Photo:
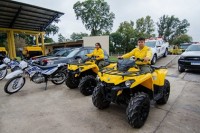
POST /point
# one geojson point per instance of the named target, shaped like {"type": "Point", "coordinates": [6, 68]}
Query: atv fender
{"type": "Point", "coordinates": [144, 80]}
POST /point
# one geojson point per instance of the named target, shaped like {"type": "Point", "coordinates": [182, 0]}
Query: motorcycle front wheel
{"type": "Point", "coordinates": [14, 84]}
{"type": "Point", "coordinates": [3, 73]}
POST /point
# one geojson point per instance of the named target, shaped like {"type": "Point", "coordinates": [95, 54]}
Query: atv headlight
{"type": "Point", "coordinates": [128, 83]}
{"type": "Point", "coordinates": [97, 78]}
{"type": "Point", "coordinates": [80, 69]}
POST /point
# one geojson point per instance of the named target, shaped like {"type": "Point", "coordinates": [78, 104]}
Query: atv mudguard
{"type": "Point", "coordinates": [83, 68]}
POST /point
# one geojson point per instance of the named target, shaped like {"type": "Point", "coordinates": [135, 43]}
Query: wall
{"type": "Point", "coordinates": [103, 40]}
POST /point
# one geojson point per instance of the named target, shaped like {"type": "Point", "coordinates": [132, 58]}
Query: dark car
{"type": "Point", "coordinates": [184, 46]}
{"type": "Point", "coordinates": [190, 59]}
{"type": "Point", "coordinates": [60, 52]}
{"type": "Point", "coordinates": [75, 54]}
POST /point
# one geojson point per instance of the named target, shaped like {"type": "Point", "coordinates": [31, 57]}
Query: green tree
{"type": "Point", "coordinates": [51, 29]}
{"type": "Point", "coordinates": [78, 36]}
{"type": "Point", "coordinates": [170, 27]}
{"type": "Point", "coordinates": [182, 39]}
{"type": "Point", "coordinates": [3, 37]}
{"type": "Point", "coordinates": [116, 44]}
{"type": "Point", "coordinates": [145, 27]}
{"type": "Point", "coordinates": [95, 15]}
{"type": "Point", "coordinates": [48, 40]}
{"type": "Point", "coordinates": [127, 32]}
{"type": "Point", "coordinates": [61, 38]}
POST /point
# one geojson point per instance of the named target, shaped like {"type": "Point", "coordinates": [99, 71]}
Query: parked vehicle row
{"type": "Point", "coordinates": [120, 82]}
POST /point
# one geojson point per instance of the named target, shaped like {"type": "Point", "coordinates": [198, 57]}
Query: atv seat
{"type": "Point", "coordinates": [46, 67]}
{"type": "Point", "coordinates": [158, 67]}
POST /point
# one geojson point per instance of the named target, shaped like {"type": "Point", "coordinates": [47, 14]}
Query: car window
{"type": "Point", "coordinates": [161, 42]}
{"type": "Point", "coordinates": [82, 52]}
{"type": "Point", "coordinates": [193, 48]}
{"type": "Point", "coordinates": [73, 53]}
{"type": "Point", "coordinates": [150, 44]}
{"type": "Point", "coordinates": [90, 50]}
{"type": "Point", "coordinates": [66, 53]}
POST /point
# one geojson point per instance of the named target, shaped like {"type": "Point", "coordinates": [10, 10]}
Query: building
{"type": "Point", "coordinates": [86, 41]}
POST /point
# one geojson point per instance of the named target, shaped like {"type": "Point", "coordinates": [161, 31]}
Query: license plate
{"type": "Point", "coordinates": [195, 63]}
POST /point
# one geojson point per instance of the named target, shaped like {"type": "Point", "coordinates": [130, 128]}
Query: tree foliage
{"type": "Point", "coordinates": [182, 39]}
{"type": "Point", "coordinates": [170, 27]}
{"type": "Point", "coordinates": [145, 27]}
{"type": "Point", "coordinates": [61, 38]}
{"type": "Point", "coordinates": [51, 29]}
{"type": "Point", "coordinates": [127, 32]}
{"type": "Point", "coordinates": [48, 39]}
{"type": "Point", "coordinates": [95, 15]}
{"type": "Point", "coordinates": [116, 45]}
{"type": "Point", "coordinates": [78, 36]}
{"type": "Point", "coordinates": [3, 38]}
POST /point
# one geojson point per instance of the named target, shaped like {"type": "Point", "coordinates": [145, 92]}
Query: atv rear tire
{"type": "Point", "coordinates": [87, 85]}
{"type": "Point", "coordinates": [98, 98]}
{"type": "Point", "coordinates": [72, 84]}
{"type": "Point", "coordinates": [166, 92]}
{"type": "Point", "coordinates": [138, 109]}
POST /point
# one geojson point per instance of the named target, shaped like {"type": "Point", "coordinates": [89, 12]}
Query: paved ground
{"type": "Point", "coordinates": [61, 110]}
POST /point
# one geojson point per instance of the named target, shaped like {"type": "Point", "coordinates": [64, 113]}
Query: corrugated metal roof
{"type": "Point", "coordinates": [19, 15]}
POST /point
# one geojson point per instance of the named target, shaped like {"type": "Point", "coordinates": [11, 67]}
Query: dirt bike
{"type": "Point", "coordinates": [38, 74]}
{"type": "Point", "coordinates": [127, 84]}
{"type": "Point", "coordinates": [8, 64]}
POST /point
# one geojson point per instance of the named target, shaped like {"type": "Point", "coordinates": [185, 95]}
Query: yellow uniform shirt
{"type": "Point", "coordinates": [145, 52]}
{"type": "Point", "coordinates": [98, 53]}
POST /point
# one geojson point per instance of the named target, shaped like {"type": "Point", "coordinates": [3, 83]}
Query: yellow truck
{"type": "Point", "coordinates": [3, 51]}
{"type": "Point", "coordinates": [31, 51]}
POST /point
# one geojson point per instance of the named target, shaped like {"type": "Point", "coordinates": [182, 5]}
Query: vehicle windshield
{"type": "Point", "coordinates": [61, 52]}
{"type": "Point", "coordinates": [151, 44]}
{"type": "Point", "coordinates": [193, 48]}
{"type": "Point", "coordinates": [184, 46]}
{"type": "Point", "coordinates": [73, 53]}
{"type": "Point", "coordinates": [53, 52]}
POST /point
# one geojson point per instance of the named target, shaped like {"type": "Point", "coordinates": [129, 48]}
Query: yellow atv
{"type": "Point", "coordinates": [82, 74]}
{"type": "Point", "coordinates": [127, 84]}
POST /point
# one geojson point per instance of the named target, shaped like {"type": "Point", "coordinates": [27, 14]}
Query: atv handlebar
{"type": "Point", "coordinates": [136, 59]}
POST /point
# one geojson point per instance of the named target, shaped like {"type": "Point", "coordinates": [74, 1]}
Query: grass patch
{"type": "Point", "coordinates": [113, 58]}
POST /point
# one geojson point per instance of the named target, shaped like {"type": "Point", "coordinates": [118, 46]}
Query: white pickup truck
{"type": "Point", "coordinates": [159, 48]}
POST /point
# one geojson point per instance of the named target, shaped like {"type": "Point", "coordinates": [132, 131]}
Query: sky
{"type": "Point", "coordinates": [126, 10]}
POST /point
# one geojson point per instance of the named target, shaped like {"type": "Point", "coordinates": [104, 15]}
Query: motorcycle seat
{"type": "Point", "coordinates": [46, 67]}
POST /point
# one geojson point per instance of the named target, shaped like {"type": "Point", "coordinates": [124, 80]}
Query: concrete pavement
{"type": "Point", "coordinates": [61, 110]}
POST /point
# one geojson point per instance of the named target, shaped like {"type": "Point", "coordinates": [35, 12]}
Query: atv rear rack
{"type": "Point", "coordinates": [119, 73]}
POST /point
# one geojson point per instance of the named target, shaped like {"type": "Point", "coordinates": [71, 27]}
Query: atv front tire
{"type": "Point", "coordinates": [166, 92]}
{"type": "Point", "coordinates": [87, 85]}
{"type": "Point", "coordinates": [71, 82]}
{"type": "Point", "coordinates": [138, 109]}
{"type": "Point", "coordinates": [98, 98]}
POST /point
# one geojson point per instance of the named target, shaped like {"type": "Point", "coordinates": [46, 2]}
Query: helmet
{"type": "Point", "coordinates": [23, 64]}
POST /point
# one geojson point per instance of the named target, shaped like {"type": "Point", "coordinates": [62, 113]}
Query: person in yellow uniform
{"type": "Point", "coordinates": [98, 53]}
{"type": "Point", "coordinates": [141, 52]}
